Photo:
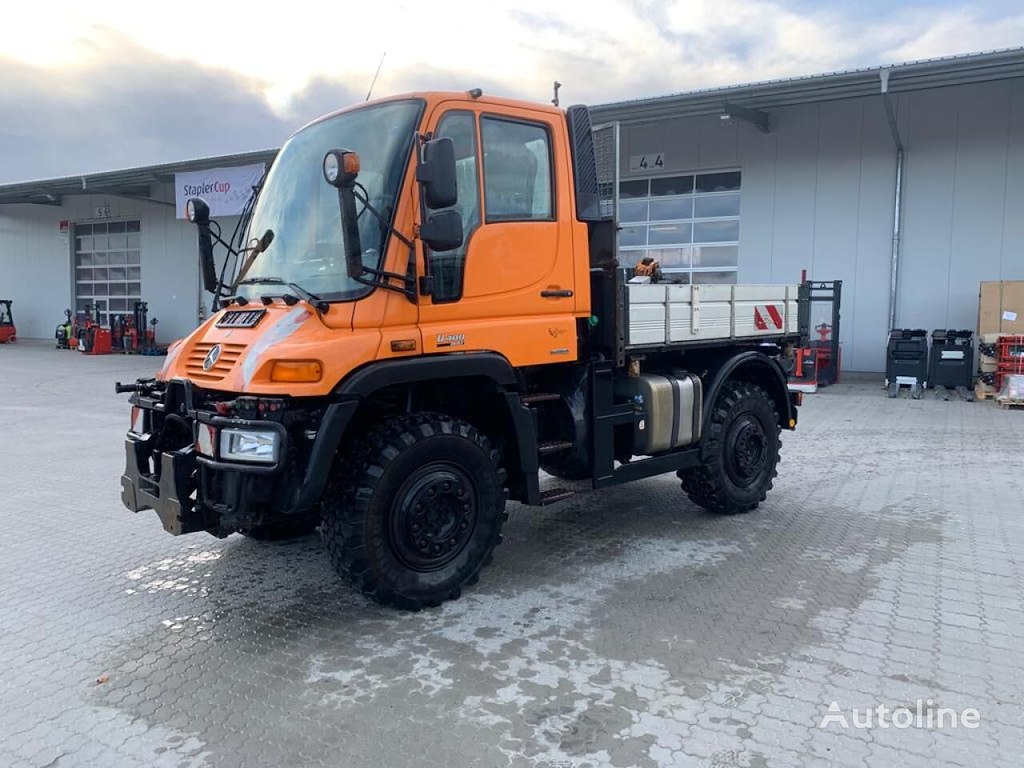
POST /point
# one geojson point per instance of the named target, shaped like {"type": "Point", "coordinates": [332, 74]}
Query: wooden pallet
{"type": "Point", "coordinates": [1006, 403]}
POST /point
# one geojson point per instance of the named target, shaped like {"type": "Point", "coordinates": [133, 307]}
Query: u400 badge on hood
{"type": "Point", "coordinates": [451, 339]}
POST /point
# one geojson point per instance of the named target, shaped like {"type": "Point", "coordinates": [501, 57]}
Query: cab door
{"type": "Point", "coordinates": [509, 287]}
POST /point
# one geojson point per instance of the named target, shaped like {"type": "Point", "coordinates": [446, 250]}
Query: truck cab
{"type": "Point", "coordinates": [423, 311]}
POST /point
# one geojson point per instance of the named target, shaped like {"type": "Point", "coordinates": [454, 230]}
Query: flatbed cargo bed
{"type": "Point", "coordinates": [668, 314]}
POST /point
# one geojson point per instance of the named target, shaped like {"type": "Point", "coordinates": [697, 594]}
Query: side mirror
{"type": "Point", "coordinates": [197, 212]}
{"type": "Point", "coordinates": [436, 172]}
{"type": "Point", "coordinates": [442, 231]}
{"type": "Point", "coordinates": [341, 167]}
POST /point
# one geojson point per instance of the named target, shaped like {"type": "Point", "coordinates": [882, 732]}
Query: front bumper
{"type": "Point", "coordinates": [171, 495]}
{"type": "Point", "coordinates": [191, 492]}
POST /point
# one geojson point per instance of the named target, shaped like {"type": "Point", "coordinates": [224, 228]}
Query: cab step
{"type": "Point", "coordinates": [539, 397]}
{"type": "Point", "coordinates": [553, 446]}
{"type": "Point", "coordinates": [555, 495]}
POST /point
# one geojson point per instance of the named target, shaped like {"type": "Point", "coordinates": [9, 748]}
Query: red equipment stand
{"type": "Point", "coordinates": [1010, 354]}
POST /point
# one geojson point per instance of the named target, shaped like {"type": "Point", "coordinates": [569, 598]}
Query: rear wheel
{"type": "Point", "coordinates": [413, 512]}
{"type": "Point", "coordinates": [740, 452]}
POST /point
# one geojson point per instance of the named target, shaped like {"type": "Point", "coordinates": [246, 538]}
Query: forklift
{"type": "Point", "coordinates": [93, 338]}
{"type": "Point", "coordinates": [135, 334]}
{"type": "Point", "coordinates": [8, 333]}
{"type": "Point", "coordinates": [819, 362]}
{"type": "Point", "coordinates": [65, 334]}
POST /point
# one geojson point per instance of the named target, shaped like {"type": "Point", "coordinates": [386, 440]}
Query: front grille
{"type": "Point", "coordinates": [229, 354]}
{"type": "Point", "coordinates": [241, 318]}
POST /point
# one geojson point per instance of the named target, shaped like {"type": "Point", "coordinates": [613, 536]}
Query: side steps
{"type": "Point", "coordinates": [555, 495]}
{"type": "Point", "coordinates": [551, 495]}
{"type": "Point", "coordinates": [538, 397]}
{"type": "Point", "coordinates": [553, 446]}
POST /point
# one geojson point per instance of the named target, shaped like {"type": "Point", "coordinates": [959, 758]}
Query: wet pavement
{"type": "Point", "coordinates": [620, 628]}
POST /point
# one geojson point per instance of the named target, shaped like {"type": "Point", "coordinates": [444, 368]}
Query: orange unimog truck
{"type": "Point", "coordinates": [424, 310]}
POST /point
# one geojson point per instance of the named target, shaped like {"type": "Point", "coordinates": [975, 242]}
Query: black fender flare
{"type": "Point", "coordinates": [408, 370]}
{"type": "Point", "coordinates": [383, 373]}
{"type": "Point", "coordinates": [767, 374]}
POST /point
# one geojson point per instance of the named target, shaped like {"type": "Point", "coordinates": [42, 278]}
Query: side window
{"type": "Point", "coordinates": [448, 267]}
{"type": "Point", "coordinates": [517, 171]}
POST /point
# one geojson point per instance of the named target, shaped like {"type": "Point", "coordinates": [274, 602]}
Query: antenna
{"type": "Point", "coordinates": [374, 81]}
{"type": "Point", "coordinates": [557, 86]}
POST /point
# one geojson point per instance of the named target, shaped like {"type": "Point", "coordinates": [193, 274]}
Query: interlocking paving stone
{"type": "Point", "coordinates": [621, 628]}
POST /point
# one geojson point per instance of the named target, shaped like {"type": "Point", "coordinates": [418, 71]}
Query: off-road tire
{"type": "Point", "coordinates": [739, 454]}
{"type": "Point", "coordinates": [283, 530]}
{"type": "Point", "coordinates": [399, 494]}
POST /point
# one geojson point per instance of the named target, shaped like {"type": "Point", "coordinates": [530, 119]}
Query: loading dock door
{"type": "Point", "coordinates": [108, 269]}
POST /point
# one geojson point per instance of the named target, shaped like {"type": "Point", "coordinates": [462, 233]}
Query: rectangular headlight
{"type": "Point", "coordinates": [257, 446]}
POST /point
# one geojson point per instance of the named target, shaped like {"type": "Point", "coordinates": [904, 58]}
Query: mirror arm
{"type": "Point", "coordinates": [426, 283]}
{"type": "Point", "coordinates": [215, 304]}
{"type": "Point", "coordinates": [360, 193]}
{"type": "Point", "coordinates": [405, 290]}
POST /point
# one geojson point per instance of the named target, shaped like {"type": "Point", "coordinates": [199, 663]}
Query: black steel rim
{"type": "Point", "coordinates": [433, 516]}
{"type": "Point", "coordinates": [746, 451]}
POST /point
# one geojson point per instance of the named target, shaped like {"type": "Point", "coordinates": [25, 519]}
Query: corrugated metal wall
{"type": "Point", "coordinates": [818, 194]}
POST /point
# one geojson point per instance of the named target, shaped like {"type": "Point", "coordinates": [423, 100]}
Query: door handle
{"type": "Point", "coordinates": [556, 294]}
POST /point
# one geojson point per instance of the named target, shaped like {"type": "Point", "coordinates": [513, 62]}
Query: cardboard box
{"type": "Point", "coordinates": [1001, 307]}
{"type": "Point", "coordinates": [988, 364]}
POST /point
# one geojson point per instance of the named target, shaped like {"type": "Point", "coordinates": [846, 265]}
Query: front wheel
{"type": "Point", "coordinates": [739, 454]}
{"type": "Point", "coordinates": [415, 510]}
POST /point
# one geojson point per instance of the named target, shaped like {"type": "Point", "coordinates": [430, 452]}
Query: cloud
{"type": "Point", "coordinates": [139, 92]}
{"type": "Point", "coordinates": [128, 106]}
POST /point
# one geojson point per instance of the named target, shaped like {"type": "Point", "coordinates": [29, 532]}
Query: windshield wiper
{"type": "Point", "coordinates": [311, 298]}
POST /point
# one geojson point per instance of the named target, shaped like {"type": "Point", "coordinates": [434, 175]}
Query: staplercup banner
{"type": "Point", "coordinates": [225, 189]}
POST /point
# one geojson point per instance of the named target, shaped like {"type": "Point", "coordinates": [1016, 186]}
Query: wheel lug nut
{"type": "Point", "coordinates": [423, 543]}
{"type": "Point", "coordinates": [431, 492]}
{"type": "Point", "coordinates": [463, 525]}
{"type": "Point", "coordinates": [418, 507]}
{"type": "Point", "coordinates": [415, 528]}
{"type": "Point", "coordinates": [437, 548]}
{"type": "Point", "coordinates": [465, 507]}
{"type": "Point", "coordinates": [447, 485]}
{"type": "Point", "coordinates": [461, 493]}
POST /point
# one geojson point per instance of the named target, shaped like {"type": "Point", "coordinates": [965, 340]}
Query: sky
{"type": "Point", "coordinates": [100, 86]}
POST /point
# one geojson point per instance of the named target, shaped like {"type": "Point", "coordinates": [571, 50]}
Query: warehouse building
{"type": "Point", "coordinates": [906, 182]}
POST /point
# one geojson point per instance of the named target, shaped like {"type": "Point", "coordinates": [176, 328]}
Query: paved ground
{"type": "Point", "coordinates": [626, 629]}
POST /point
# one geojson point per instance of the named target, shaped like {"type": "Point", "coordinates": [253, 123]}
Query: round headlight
{"type": "Point", "coordinates": [197, 211]}
{"type": "Point", "coordinates": [332, 167]}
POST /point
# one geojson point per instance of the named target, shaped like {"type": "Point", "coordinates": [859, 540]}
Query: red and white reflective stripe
{"type": "Point", "coordinates": [765, 314]}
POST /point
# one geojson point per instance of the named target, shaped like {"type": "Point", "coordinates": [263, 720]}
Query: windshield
{"type": "Point", "coordinates": [301, 208]}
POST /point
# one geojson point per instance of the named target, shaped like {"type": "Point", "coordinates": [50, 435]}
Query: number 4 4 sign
{"type": "Point", "coordinates": [652, 161]}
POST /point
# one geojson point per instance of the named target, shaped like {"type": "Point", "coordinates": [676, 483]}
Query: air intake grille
{"type": "Point", "coordinates": [225, 361]}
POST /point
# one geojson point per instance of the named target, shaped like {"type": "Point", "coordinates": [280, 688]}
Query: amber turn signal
{"type": "Point", "coordinates": [297, 370]}
{"type": "Point", "coordinates": [403, 345]}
